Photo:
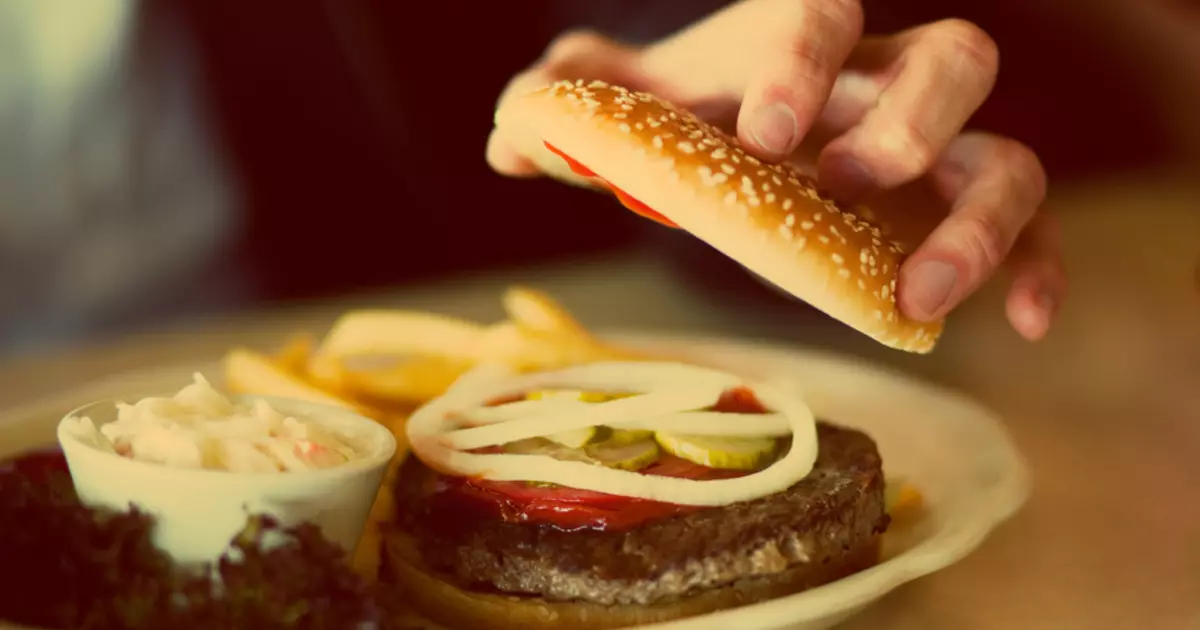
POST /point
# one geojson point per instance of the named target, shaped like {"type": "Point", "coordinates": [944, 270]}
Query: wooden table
{"type": "Point", "coordinates": [1107, 408]}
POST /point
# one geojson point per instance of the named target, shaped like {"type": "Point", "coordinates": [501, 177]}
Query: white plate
{"type": "Point", "coordinates": [954, 450]}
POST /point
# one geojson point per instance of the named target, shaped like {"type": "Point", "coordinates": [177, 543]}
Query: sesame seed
{"type": "Point", "coordinates": [775, 178]}
{"type": "Point", "coordinates": [620, 115]}
{"type": "Point", "coordinates": [837, 258]}
{"type": "Point", "coordinates": [753, 160]}
{"type": "Point", "coordinates": [824, 239]}
{"type": "Point", "coordinates": [686, 147]}
{"type": "Point", "coordinates": [728, 169]}
{"type": "Point", "coordinates": [844, 272]}
{"type": "Point", "coordinates": [862, 285]}
{"type": "Point", "coordinates": [770, 197]}
{"type": "Point", "coordinates": [806, 225]}
{"type": "Point", "coordinates": [754, 201]}
{"type": "Point", "coordinates": [789, 220]}
{"type": "Point", "coordinates": [787, 204]}
{"type": "Point", "coordinates": [639, 126]}
{"type": "Point", "coordinates": [731, 198]}
{"type": "Point", "coordinates": [785, 232]}
{"type": "Point", "coordinates": [625, 127]}
{"type": "Point", "coordinates": [817, 217]}
{"type": "Point", "coordinates": [657, 141]}
{"type": "Point", "coordinates": [719, 154]}
{"type": "Point", "coordinates": [884, 292]}
{"type": "Point", "coordinates": [863, 255]}
{"type": "Point", "coordinates": [800, 243]}
{"type": "Point", "coordinates": [878, 314]}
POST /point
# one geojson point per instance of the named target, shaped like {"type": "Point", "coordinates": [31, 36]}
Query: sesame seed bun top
{"type": "Point", "coordinates": [768, 217]}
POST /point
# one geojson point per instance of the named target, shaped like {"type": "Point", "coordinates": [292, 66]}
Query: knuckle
{"type": "Point", "coordinates": [844, 15]}
{"type": "Point", "coordinates": [985, 238]}
{"type": "Point", "coordinates": [1025, 169]}
{"type": "Point", "coordinates": [964, 39]}
{"type": "Point", "coordinates": [814, 22]}
{"type": "Point", "coordinates": [912, 151]}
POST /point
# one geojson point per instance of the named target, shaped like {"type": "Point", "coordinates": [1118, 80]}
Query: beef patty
{"type": "Point", "coordinates": [834, 516]}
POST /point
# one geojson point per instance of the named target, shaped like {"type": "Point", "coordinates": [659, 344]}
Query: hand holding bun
{"type": "Point", "coordinates": [869, 116]}
{"type": "Point", "coordinates": [769, 217]}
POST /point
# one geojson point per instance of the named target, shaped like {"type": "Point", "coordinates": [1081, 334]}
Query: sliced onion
{"type": "Point", "coordinates": [430, 444]}
{"type": "Point", "coordinates": [611, 413]}
{"type": "Point", "coordinates": [718, 423]}
{"type": "Point", "coordinates": [714, 423]}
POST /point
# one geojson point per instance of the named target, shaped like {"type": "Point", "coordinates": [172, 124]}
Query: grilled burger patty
{"type": "Point", "coordinates": [822, 528]}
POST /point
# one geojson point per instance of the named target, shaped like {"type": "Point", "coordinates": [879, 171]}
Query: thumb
{"type": "Point", "coordinates": [580, 54]}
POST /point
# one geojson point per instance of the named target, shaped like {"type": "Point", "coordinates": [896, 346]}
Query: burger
{"type": "Point", "coordinates": [615, 494]}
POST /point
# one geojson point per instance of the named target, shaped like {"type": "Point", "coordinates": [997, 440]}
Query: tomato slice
{"type": "Point", "coordinates": [626, 200]}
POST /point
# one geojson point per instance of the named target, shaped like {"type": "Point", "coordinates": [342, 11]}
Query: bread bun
{"type": "Point", "coordinates": [444, 603]}
{"type": "Point", "coordinates": [768, 217]}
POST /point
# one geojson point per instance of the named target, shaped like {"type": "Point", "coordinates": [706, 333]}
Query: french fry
{"type": "Point", "coordinates": [367, 554]}
{"type": "Point", "coordinates": [400, 333]}
{"type": "Point", "coordinates": [401, 380]}
{"type": "Point", "coordinates": [293, 357]}
{"type": "Point", "coordinates": [537, 312]}
{"type": "Point", "coordinates": [248, 372]}
{"type": "Point", "coordinates": [903, 500]}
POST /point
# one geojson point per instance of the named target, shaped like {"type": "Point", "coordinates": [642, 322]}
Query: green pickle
{"type": "Point", "coordinates": [719, 452]}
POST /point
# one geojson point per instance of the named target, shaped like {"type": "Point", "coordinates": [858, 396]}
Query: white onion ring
{"type": "Point", "coordinates": [426, 434]}
{"type": "Point", "coordinates": [707, 423]}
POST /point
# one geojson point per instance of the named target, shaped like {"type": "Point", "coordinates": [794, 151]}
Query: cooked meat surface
{"type": "Point", "coordinates": [836, 512]}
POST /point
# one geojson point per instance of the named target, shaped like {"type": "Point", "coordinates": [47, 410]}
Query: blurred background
{"type": "Point", "coordinates": [173, 158]}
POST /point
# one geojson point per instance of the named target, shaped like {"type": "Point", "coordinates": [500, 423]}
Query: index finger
{"type": "Point", "coordinates": [780, 58]}
{"type": "Point", "coordinates": [790, 83]}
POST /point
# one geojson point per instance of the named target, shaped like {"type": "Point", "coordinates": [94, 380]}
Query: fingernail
{"type": "Point", "coordinates": [773, 127]}
{"type": "Point", "coordinates": [929, 286]}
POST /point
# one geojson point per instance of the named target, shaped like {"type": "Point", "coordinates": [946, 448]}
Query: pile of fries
{"type": "Point", "coordinates": [384, 364]}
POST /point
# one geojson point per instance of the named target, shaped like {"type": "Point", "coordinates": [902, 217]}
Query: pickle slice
{"type": "Point", "coordinates": [629, 436]}
{"type": "Point", "coordinates": [542, 446]}
{"type": "Point", "coordinates": [569, 394]}
{"type": "Point", "coordinates": [576, 438]}
{"type": "Point", "coordinates": [634, 455]}
{"type": "Point", "coordinates": [718, 452]}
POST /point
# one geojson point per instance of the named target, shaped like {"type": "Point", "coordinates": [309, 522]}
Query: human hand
{"type": "Point", "coordinates": [872, 115]}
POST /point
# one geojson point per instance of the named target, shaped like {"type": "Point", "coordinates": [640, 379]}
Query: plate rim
{"type": "Point", "coordinates": [844, 597]}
